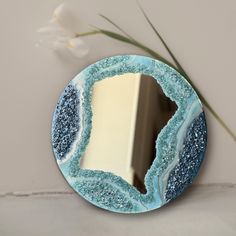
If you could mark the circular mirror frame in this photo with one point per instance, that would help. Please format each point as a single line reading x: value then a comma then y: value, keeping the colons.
x: 180, y: 146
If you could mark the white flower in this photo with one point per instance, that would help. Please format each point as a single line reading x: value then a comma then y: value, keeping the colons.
x: 58, y: 36
x: 58, y: 12
x: 77, y: 47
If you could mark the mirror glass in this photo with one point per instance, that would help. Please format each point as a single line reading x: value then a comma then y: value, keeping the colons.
x: 129, y: 111
x: 109, y: 122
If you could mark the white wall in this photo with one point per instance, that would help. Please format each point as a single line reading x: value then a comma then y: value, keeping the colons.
x: 201, y: 33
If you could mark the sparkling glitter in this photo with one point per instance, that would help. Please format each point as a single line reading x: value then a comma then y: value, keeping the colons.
x: 190, y: 159
x: 179, y: 146
x: 66, y: 122
x: 102, y: 188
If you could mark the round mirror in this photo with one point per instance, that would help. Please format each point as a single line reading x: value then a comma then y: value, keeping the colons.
x: 129, y: 134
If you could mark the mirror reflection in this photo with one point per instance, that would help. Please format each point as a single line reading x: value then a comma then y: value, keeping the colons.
x: 129, y: 111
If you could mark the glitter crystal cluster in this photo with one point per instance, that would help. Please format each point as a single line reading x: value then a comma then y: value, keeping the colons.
x: 190, y: 159
x: 180, y: 146
x: 66, y: 122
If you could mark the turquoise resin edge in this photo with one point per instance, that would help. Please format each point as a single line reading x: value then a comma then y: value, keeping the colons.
x: 105, y: 189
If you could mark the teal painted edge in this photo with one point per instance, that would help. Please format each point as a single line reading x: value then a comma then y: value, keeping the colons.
x: 105, y: 189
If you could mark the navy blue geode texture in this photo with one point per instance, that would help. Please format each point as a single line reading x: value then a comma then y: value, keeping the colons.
x: 190, y: 159
x: 66, y: 122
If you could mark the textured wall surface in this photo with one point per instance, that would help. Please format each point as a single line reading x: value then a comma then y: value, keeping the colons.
x: 201, y: 33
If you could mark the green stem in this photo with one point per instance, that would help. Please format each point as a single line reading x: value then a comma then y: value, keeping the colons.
x: 157, y: 56
x: 129, y: 41
x: 182, y: 71
x: 93, y: 32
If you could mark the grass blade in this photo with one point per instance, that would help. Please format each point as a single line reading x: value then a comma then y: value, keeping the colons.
x: 116, y: 26
x: 182, y: 71
x: 161, y: 39
x: 135, y: 43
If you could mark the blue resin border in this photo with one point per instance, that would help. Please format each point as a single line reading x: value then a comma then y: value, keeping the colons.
x: 180, y: 145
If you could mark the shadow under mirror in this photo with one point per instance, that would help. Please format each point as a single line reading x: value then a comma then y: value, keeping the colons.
x: 129, y: 111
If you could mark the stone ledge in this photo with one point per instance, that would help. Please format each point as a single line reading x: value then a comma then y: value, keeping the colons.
x: 202, y: 210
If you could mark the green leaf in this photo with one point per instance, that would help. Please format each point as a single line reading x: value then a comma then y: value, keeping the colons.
x: 128, y: 39
x: 115, y: 36
x: 116, y: 26
x: 182, y: 71
x: 162, y: 40
x: 135, y: 43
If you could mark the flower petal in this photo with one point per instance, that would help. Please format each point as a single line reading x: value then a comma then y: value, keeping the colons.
x: 77, y: 47
x: 49, y: 29
x: 53, y: 33
x: 63, y: 17
x: 49, y: 41
x: 58, y: 46
x: 58, y: 11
